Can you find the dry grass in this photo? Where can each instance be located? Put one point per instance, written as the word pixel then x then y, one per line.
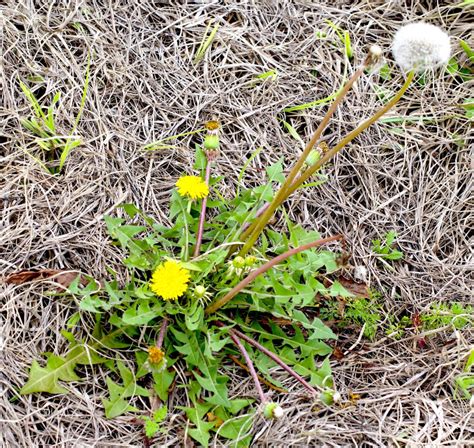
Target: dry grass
pixel 144 87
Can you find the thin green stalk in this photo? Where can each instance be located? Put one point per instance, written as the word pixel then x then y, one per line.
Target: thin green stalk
pixel 280 198
pixel 213 307
pixel 349 137
pixel 256 228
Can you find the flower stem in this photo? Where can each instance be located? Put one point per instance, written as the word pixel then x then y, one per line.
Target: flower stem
pixel 349 137
pixel 213 307
pixel 161 335
pixel 256 228
pixel 250 365
pixel 202 218
pixel 272 356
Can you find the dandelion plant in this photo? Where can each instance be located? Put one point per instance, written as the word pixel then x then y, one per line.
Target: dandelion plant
pixel 222 284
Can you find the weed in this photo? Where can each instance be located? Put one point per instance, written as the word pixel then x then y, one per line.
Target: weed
pixel 442 315
pixel 44 127
pixel 385 248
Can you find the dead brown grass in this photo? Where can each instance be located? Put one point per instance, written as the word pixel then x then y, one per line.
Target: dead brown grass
pixel 144 87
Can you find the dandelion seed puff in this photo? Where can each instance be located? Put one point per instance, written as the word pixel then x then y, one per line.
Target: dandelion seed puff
pixel 421 46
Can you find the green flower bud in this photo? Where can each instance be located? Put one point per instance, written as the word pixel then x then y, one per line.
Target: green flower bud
pixel 238 262
pixel 313 157
pixel 200 291
pixel 273 410
pixel 211 142
pixel 250 260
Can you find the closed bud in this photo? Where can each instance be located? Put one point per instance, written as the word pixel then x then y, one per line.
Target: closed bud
pixel 250 261
pixel 200 291
pixel 211 142
pixel 273 410
pixel 313 157
pixel 238 262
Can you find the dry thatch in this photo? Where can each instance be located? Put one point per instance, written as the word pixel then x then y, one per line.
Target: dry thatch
pixel 414 177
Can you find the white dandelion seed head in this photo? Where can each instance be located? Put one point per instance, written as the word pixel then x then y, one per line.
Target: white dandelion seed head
pixel 375 51
pixel 278 412
pixel 421 46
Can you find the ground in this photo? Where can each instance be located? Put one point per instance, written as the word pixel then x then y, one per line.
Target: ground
pixel 412 175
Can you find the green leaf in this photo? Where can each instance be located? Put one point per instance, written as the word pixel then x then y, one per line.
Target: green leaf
pixel 192 348
pixel 117 405
pixel 337 290
pixel 200 159
pixel 123 233
pixel 235 428
pixel 45 379
pixel 162 382
pixel 275 172
pixel 140 313
pixel 196 415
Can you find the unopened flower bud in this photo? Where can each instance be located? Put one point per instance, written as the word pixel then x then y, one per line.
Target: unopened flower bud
pixel 200 291
pixel 273 410
pixel 250 260
pixel 313 157
pixel 238 262
pixel 211 142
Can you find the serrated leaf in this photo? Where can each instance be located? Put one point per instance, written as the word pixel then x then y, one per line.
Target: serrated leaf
pixel 275 172
pixel 45 379
pixel 140 313
pixel 118 404
pixel 337 290
pixel 196 415
pixel 192 348
pixel 162 382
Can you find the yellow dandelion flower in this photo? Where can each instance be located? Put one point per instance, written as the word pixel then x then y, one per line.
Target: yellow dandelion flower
pixel 212 125
pixel 155 355
pixel 170 280
pixel 192 186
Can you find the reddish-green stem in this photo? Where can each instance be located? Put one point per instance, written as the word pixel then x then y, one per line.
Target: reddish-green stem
pixel 272 356
pixel 250 365
pixel 349 137
pixel 256 228
pixel 161 335
pixel 202 218
pixel 213 307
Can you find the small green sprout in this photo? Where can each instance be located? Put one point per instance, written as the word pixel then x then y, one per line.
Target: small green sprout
pixel 385 249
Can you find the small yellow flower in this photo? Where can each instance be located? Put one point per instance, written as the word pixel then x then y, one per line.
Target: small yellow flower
pixel 155 355
pixel 192 186
pixel 170 280
pixel 212 125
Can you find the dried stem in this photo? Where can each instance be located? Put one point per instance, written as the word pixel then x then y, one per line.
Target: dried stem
pixel 213 307
pixel 250 365
pixel 202 218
